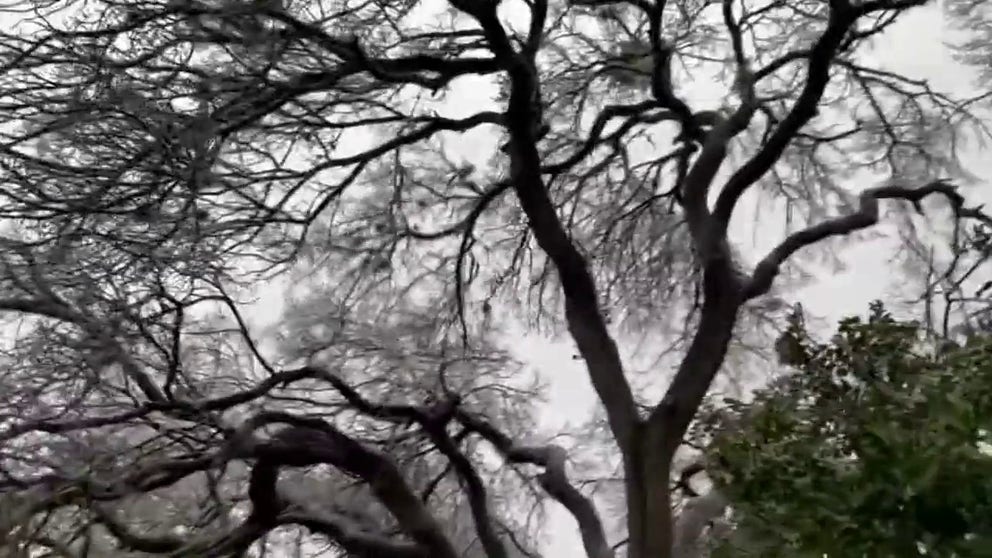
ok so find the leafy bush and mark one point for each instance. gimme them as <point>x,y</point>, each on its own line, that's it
<point>875,445</point>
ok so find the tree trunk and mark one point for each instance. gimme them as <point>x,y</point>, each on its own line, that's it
<point>648,488</point>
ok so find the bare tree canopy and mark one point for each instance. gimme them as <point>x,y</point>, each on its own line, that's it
<point>414,176</point>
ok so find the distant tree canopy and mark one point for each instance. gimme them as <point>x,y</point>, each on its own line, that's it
<point>260,261</point>
<point>876,445</point>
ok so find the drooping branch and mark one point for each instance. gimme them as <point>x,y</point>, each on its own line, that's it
<point>866,216</point>
<point>63,426</point>
<point>475,489</point>
<point>311,441</point>
<point>554,480</point>
<point>434,420</point>
<point>269,511</point>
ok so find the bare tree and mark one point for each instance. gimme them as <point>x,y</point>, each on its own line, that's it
<point>162,159</point>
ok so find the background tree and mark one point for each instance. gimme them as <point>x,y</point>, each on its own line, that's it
<point>163,159</point>
<point>874,446</point>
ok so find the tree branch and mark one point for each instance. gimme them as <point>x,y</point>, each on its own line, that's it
<point>130,540</point>
<point>310,441</point>
<point>475,489</point>
<point>818,75</point>
<point>554,480</point>
<point>351,538</point>
<point>269,510</point>
<point>582,311</point>
<point>434,421</point>
<point>866,216</point>
<point>61,311</point>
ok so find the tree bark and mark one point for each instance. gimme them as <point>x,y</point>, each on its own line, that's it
<point>648,483</point>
